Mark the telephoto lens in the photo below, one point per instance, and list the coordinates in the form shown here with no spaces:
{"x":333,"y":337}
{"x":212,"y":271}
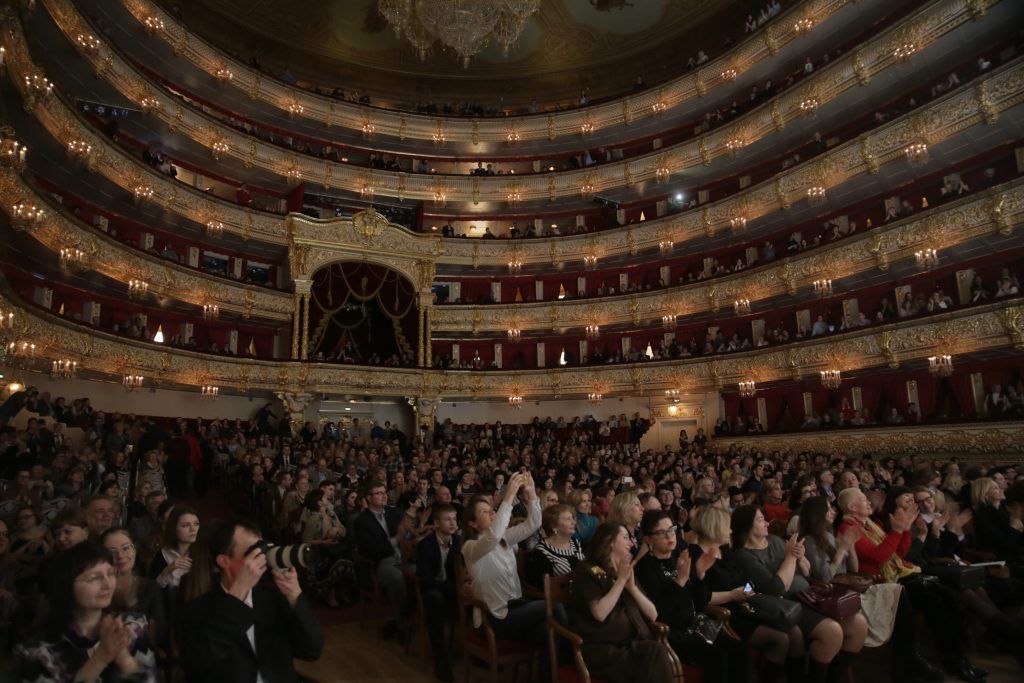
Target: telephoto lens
{"x":281,"y":557}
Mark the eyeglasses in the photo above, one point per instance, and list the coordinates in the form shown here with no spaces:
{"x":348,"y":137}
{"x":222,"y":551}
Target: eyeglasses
{"x":665,"y":532}
{"x":122,"y":549}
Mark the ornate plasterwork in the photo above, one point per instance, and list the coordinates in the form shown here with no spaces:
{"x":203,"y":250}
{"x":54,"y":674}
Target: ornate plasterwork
{"x":955,"y":113}
{"x":316,"y":243}
{"x":405,"y":126}
{"x":98,"y":352}
{"x":925,"y":26}
{"x":982,"y":439}
{"x":939,"y":228}
{"x":108,"y":257}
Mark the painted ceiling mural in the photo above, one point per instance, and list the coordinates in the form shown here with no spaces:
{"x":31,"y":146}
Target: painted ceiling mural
{"x":567,"y":45}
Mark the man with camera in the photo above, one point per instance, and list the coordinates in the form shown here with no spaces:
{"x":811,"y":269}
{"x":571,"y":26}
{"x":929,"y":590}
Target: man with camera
{"x":243,"y":629}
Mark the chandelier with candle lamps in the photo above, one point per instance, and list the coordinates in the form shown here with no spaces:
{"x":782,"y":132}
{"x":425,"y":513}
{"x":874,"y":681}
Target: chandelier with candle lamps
{"x":463,"y":26}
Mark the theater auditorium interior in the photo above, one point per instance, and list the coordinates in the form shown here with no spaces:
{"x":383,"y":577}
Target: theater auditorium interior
{"x":538,"y":340}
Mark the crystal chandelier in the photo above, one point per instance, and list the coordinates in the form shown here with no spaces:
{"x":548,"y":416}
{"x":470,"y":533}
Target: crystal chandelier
{"x":63,"y":369}
{"x":132,"y":382}
{"x":747,"y":388}
{"x":465,"y":26}
{"x":831,"y":379}
{"x":940,"y":366}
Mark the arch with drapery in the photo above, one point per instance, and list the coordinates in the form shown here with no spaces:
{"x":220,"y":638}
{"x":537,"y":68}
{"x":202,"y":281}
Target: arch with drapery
{"x":361,"y":310}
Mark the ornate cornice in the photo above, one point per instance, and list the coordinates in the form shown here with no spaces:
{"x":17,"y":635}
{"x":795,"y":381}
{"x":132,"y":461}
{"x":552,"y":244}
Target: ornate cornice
{"x":994,"y":326}
{"x":943,"y":118}
{"x":824,"y":85}
{"x":107,"y":256}
{"x":984,"y":438}
{"x":406,"y":126}
{"x":939,"y":228}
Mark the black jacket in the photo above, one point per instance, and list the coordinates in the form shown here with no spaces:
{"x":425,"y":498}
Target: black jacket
{"x":428,"y":561}
{"x":371,"y":540}
{"x":216,"y":648}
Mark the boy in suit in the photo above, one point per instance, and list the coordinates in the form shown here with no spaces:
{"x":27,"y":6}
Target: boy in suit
{"x":435,"y":569}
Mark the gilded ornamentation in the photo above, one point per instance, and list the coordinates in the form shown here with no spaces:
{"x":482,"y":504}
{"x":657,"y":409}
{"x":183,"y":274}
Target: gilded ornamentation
{"x":369,"y":223}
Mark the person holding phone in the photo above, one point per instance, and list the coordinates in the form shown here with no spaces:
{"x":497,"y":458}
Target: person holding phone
{"x":729,"y":587}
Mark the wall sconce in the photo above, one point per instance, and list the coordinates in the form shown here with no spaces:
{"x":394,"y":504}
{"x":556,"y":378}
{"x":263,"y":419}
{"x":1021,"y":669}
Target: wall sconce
{"x":741,"y":306}
{"x":831,"y":379}
{"x":747,"y":388}
{"x":823,"y":287}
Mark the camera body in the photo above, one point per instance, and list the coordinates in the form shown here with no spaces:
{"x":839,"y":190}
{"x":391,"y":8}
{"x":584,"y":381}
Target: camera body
{"x":282,"y":557}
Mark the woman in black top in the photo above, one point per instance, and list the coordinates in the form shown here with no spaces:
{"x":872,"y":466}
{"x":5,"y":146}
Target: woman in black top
{"x":677,"y":588}
{"x":725,"y":580}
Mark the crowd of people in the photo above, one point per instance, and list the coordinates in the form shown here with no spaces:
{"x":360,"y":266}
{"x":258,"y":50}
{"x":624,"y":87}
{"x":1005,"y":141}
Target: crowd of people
{"x":107,"y":571}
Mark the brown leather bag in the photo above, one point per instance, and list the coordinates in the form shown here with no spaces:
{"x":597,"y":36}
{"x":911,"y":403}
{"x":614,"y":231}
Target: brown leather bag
{"x":855,"y":582}
{"x":835,"y":602}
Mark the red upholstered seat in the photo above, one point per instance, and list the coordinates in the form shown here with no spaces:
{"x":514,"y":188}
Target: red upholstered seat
{"x":504,"y":647}
{"x":568,"y":674}
{"x":692,"y":674}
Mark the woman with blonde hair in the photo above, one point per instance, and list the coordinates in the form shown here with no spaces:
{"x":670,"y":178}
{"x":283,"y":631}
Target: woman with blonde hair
{"x":581,"y":501}
{"x":627,"y":510}
{"x":725,"y":579}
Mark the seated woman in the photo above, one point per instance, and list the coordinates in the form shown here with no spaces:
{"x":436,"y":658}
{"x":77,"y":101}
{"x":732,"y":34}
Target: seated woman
{"x":489,"y":551}
{"x":679,"y":592}
{"x":173,"y":561}
{"x":332,"y":577}
{"x":725,"y":579}
{"x":581,"y":500}
{"x":135,"y":593}
{"x":28,"y":548}
{"x":83,"y":640}
{"x":1002,"y":630}
{"x":780,"y":568}
{"x":882,"y":554}
{"x":610,"y":613}
{"x":885,"y":606}
{"x":995,"y":530}
{"x":627,"y":510}
{"x":559,"y":551}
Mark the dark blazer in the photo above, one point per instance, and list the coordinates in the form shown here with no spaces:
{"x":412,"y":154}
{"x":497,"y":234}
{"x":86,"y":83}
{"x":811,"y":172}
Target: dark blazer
{"x":371,"y":540}
{"x":428,"y":561}
{"x":216,"y":648}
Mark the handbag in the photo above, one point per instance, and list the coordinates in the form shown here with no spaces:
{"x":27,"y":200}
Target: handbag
{"x":835,"y":602}
{"x":855,"y":582}
{"x":770,"y":610}
{"x":958,"y":576}
{"x":706,"y":627}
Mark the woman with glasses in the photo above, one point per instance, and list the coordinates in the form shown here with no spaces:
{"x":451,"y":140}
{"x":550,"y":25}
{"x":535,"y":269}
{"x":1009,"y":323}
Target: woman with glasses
{"x":83,"y":639}
{"x":678,"y":589}
{"x":134,"y":593}
{"x":611,"y":613}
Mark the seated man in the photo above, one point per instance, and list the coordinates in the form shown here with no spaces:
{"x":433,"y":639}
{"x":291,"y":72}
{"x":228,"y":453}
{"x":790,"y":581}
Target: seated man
{"x":435,"y":568}
{"x":378,"y":529}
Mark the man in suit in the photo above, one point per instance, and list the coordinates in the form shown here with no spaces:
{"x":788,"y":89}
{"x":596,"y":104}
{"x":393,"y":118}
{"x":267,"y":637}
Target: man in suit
{"x":435,"y":569}
{"x":242,"y":630}
{"x":378,"y":530}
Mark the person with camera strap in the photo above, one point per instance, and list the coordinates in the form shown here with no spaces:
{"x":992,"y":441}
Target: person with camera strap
{"x":243,"y":629}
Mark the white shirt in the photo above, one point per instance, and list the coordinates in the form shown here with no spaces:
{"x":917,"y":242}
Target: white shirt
{"x":491,"y":560}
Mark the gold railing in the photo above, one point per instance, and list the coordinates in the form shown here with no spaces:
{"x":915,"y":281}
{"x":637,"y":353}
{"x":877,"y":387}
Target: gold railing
{"x":107,"y":256}
{"x":983,"y":102}
{"x":972,"y":440}
{"x":847,"y":73}
{"x":994,"y":326}
{"x":407,"y":126}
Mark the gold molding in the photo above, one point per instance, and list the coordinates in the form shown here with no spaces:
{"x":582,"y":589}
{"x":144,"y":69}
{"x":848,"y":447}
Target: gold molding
{"x":937,"y":228}
{"x":164,"y":278}
{"x":926,"y":26}
{"x":981,"y":329}
{"x":409,"y":126}
{"x":971,"y":439}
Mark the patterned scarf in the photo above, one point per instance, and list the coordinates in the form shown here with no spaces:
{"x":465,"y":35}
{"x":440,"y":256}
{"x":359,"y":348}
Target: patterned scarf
{"x":894,"y":568}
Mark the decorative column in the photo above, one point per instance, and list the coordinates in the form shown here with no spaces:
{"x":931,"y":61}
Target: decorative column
{"x":426,"y":302}
{"x":296,"y":323}
{"x":303,"y":289}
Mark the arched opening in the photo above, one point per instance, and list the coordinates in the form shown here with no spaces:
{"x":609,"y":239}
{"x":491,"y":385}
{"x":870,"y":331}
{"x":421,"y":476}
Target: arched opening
{"x":363,"y":313}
